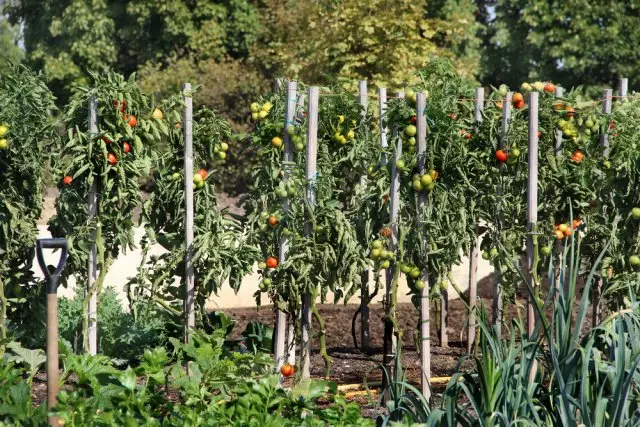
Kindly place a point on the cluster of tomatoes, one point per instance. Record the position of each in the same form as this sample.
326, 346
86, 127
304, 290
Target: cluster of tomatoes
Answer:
577, 156
199, 177
426, 181
412, 272
298, 138
4, 142
344, 138
381, 256
267, 266
408, 136
562, 231
502, 156
221, 150
270, 220
518, 100
260, 112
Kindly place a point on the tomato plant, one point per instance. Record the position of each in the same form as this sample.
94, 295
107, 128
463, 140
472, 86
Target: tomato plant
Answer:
323, 252
100, 162
27, 134
221, 249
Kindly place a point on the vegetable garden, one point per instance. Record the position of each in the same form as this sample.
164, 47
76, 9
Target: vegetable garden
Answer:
348, 195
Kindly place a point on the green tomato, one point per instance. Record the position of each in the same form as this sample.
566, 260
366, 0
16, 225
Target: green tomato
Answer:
376, 244
291, 130
175, 176
385, 264
634, 260
414, 273
589, 123
502, 90
545, 250
224, 146
410, 130
485, 255
420, 285
375, 254
493, 252
411, 141
635, 213
426, 180
299, 146
405, 268
515, 152
417, 185
400, 164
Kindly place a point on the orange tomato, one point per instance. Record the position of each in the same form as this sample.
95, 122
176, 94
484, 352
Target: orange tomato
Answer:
517, 97
67, 180
567, 232
519, 105
559, 234
576, 223
549, 87
385, 232
287, 370
273, 221
272, 262
571, 112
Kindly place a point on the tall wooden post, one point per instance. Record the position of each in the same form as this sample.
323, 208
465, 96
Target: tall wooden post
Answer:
532, 205
559, 247
425, 339
607, 96
389, 350
281, 317
623, 87
189, 296
496, 307
364, 278
475, 248
312, 149
92, 312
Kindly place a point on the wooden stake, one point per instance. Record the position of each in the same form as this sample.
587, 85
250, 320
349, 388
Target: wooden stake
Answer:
623, 87
425, 343
389, 350
189, 282
497, 287
364, 277
607, 95
281, 317
559, 247
475, 248
312, 148
532, 206
92, 313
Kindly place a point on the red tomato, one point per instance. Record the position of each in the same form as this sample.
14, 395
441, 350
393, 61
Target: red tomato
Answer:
105, 139
67, 180
517, 97
120, 105
549, 87
539, 134
126, 147
287, 370
501, 156
131, 120
273, 221
203, 173
413, 120
112, 159
272, 262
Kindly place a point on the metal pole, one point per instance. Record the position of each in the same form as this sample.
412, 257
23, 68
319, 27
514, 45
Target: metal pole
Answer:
281, 317
52, 318
189, 297
92, 313
475, 249
425, 346
312, 147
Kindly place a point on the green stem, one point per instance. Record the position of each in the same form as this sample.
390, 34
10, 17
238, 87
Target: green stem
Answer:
321, 335
3, 317
457, 289
103, 264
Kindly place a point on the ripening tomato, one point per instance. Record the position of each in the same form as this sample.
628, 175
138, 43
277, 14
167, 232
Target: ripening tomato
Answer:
517, 97
287, 370
273, 221
567, 232
105, 139
563, 227
385, 232
576, 223
501, 156
413, 120
559, 234
519, 105
67, 180
549, 87
571, 112
126, 147
499, 105
271, 262
112, 159
131, 120
203, 173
